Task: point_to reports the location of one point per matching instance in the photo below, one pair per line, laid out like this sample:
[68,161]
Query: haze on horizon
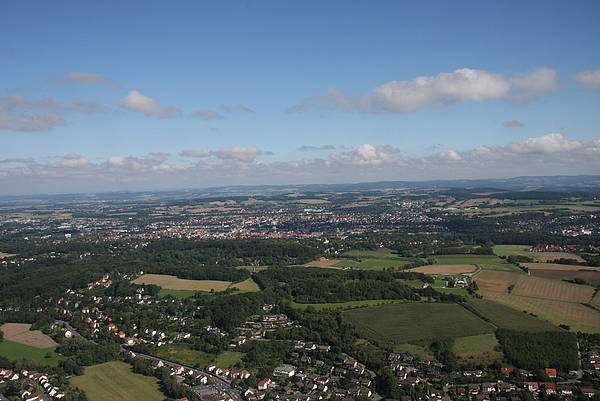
[150,95]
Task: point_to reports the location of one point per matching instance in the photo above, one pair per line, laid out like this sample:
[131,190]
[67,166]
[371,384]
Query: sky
[154,95]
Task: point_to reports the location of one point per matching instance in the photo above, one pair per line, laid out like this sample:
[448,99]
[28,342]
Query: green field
[176,293]
[393,324]
[468,260]
[12,351]
[507,250]
[112,381]
[509,318]
[379,259]
[482,349]
[184,354]
[347,305]
[418,351]
[228,359]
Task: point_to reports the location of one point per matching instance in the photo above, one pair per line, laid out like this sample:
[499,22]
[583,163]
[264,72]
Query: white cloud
[85,77]
[12,121]
[196,153]
[20,101]
[529,86]
[238,153]
[550,143]
[450,155]
[308,148]
[207,115]
[513,124]
[461,85]
[590,78]
[135,101]
[72,160]
[237,108]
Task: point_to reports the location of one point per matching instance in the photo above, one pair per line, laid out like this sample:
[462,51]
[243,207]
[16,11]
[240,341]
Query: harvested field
[175,283]
[247,285]
[596,300]
[322,263]
[19,333]
[496,281]
[592,277]
[6,255]
[445,269]
[547,256]
[557,266]
[575,315]
[552,289]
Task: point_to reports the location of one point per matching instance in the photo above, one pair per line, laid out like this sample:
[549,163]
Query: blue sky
[150,95]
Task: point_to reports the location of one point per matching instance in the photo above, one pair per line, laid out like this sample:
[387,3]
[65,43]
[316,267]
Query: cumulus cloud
[196,153]
[237,108]
[308,148]
[78,77]
[207,115]
[530,86]
[20,101]
[461,85]
[238,153]
[550,143]
[544,155]
[12,121]
[135,101]
[590,79]
[513,124]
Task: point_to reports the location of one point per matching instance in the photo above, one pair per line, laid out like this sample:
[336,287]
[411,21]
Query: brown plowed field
[19,333]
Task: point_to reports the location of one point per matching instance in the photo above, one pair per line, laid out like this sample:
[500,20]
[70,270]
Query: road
[219,383]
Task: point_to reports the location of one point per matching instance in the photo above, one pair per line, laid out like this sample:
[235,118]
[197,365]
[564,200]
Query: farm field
[557,266]
[577,316]
[247,285]
[372,264]
[552,289]
[20,333]
[547,256]
[12,350]
[228,359]
[115,381]
[183,354]
[393,324]
[252,268]
[495,281]
[418,351]
[322,263]
[507,250]
[445,269]
[6,255]
[477,350]
[596,300]
[505,317]
[592,277]
[347,305]
[174,283]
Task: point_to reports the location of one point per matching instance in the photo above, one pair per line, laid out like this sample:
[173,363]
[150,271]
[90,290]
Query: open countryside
[174,283]
[114,381]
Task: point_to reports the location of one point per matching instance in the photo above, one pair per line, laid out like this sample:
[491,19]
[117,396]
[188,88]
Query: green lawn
[378,259]
[12,351]
[176,293]
[182,353]
[418,351]
[482,349]
[509,318]
[112,381]
[228,359]
[347,305]
[507,250]
[393,324]
[468,260]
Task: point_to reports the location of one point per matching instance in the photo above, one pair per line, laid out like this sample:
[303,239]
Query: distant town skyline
[155,96]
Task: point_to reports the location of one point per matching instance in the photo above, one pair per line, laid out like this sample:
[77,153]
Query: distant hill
[579,183]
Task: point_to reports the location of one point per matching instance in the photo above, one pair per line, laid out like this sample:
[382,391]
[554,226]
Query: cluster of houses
[259,324]
[318,380]
[32,385]
[227,374]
